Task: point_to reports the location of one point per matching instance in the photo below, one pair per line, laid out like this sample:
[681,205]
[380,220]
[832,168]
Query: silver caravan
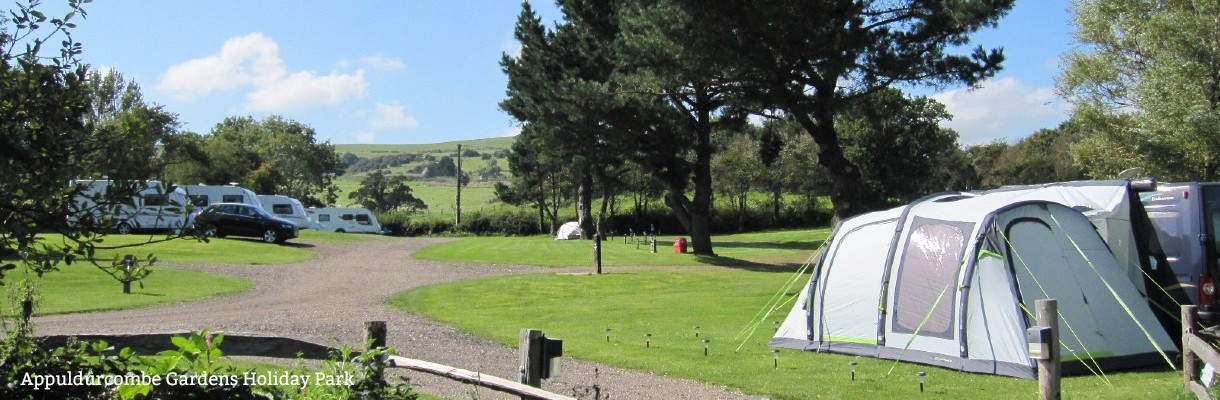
[126,206]
[287,208]
[355,220]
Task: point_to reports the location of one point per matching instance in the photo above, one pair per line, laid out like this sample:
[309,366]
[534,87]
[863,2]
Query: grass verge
[755,249]
[81,287]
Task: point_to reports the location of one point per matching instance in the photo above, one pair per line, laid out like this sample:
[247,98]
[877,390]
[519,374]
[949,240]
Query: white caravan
[202,195]
[151,205]
[287,208]
[356,220]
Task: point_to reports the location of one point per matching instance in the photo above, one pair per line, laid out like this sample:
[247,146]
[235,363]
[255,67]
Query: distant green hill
[374,150]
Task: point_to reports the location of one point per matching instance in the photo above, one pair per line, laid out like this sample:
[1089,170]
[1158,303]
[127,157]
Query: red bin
[680,245]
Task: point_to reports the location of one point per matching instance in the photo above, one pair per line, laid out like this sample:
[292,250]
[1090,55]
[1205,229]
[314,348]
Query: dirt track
[327,299]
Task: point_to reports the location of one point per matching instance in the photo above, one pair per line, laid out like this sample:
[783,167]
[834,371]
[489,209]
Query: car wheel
[123,228]
[270,236]
[210,231]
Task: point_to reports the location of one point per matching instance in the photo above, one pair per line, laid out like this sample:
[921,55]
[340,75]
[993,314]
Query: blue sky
[428,71]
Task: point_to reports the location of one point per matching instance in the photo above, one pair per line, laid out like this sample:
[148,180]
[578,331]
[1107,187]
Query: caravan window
[232,198]
[926,288]
[346,217]
[282,209]
[323,217]
[363,219]
[198,200]
[155,200]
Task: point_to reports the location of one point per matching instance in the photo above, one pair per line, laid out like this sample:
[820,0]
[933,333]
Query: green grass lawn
[231,250]
[81,287]
[755,249]
[670,302]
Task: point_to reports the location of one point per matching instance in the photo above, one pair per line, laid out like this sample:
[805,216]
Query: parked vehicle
[287,208]
[351,219]
[1187,221]
[201,196]
[127,206]
[237,219]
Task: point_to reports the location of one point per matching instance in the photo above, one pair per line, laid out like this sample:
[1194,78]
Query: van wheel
[270,236]
[123,228]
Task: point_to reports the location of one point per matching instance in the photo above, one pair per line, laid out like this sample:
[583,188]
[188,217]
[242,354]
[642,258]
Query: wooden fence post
[531,357]
[1190,360]
[597,252]
[374,335]
[1049,369]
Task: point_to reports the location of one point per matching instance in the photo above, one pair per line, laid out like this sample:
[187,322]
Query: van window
[363,219]
[232,198]
[281,209]
[346,217]
[198,200]
[323,217]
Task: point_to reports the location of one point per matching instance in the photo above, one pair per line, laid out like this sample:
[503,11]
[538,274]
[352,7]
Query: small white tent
[951,281]
[568,231]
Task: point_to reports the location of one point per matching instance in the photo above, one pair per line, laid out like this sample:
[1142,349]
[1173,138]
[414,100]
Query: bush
[500,221]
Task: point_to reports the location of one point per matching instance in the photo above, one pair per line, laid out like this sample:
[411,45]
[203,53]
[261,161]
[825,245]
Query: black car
[223,219]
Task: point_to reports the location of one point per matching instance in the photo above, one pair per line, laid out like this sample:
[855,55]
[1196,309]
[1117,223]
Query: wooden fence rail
[1195,350]
[238,344]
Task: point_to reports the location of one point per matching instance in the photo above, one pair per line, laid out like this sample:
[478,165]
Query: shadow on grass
[298,245]
[789,245]
[737,263]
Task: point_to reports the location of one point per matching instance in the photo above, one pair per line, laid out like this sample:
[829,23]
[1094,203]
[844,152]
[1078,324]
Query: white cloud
[305,90]
[512,132]
[393,115]
[382,62]
[252,62]
[1001,108]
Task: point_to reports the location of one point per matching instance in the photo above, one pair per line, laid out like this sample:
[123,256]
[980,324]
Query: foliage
[400,223]
[132,139]
[505,222]
[381,191]
[737,170]
[272,155]
[810,60]
[1042,157]
[444,167]
[24,359]
[1145,87]
[358,164]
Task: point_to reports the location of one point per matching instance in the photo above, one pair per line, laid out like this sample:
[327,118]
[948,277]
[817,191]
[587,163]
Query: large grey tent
[951,281]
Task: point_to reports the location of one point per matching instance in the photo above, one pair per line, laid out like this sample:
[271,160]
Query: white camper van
[151,206]
[287,208]
[356,220]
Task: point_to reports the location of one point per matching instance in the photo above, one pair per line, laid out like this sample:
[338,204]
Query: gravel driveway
[328,298]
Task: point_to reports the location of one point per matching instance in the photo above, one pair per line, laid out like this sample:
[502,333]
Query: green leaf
[184,344]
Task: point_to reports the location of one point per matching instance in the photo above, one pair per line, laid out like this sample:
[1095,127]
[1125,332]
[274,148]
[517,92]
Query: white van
[356,220]
[151,205]
[287,208]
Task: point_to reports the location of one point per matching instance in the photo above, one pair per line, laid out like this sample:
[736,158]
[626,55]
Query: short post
[654,244]
[1190,360]
[597,252]
[531,357]
[374,336]
[129,264]
[1049,369]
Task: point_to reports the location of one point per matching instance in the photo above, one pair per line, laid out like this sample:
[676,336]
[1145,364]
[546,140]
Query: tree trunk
[844,175]
[775,200]
[601,214]
[584,203]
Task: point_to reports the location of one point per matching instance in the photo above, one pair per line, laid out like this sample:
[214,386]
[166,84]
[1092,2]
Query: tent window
[927,277]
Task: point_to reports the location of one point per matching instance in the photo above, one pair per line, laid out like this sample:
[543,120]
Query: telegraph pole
[459,185]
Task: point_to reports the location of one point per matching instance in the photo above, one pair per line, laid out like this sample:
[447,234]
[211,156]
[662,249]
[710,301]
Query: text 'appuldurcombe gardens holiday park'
[598,199]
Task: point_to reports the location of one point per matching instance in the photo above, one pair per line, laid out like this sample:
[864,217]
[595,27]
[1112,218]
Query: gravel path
[327,299]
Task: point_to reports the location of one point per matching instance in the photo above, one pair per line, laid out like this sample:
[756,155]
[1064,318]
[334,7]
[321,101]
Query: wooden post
[597,252]
[129,263]
[374,335]
[1190,360]
[1049,369]
[459,187]
[531,357]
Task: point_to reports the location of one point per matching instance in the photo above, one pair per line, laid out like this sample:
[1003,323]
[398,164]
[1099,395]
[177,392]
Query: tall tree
[810,59]
[737,171]
[381,191]
[131,136]
[1146,86]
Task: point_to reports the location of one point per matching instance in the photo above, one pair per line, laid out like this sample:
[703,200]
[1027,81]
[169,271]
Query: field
[651,315]
[440,194]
